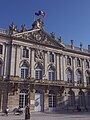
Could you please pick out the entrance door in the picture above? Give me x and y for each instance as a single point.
(39, 102)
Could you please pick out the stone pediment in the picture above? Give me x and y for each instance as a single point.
(39, 36)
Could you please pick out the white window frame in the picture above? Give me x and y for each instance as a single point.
(38, 73)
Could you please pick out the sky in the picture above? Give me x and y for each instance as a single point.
(69, 19)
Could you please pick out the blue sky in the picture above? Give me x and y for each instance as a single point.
(69, 19)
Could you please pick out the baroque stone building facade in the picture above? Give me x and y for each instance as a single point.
(37, 70)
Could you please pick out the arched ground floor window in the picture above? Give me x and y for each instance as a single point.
(71, 99)
(23, 98)
(81, 99)
(52, 99)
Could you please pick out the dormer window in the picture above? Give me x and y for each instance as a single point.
(1, 49)
(25, 52)
(51, 57)
(78, 62)
(68, 60)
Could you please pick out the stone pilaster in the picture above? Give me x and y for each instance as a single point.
(74, 74)
(83, 73)
(18, 61)
(64, 68)
(58, 67)
(61, 67)
(4, 58)
(32, 64)
(46, 102)
(46, 62)
(32, 100)
(13, 60)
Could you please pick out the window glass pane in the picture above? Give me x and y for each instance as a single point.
(78, 62)
(79, 78)
(88, 99)
(25, 53)
(24, 71)
(21, 99)
(51, 75)
(69, 76)
(1, 49)
(38, 74)
(87, 64)
(71, 99)
(26, 100)
(81, 98)
(52, 100)
(0, 68)
(68, 60)
(51, 56)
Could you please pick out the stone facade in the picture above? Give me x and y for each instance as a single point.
(39, 71)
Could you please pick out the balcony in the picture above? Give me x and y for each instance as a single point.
(17, 79)
(78, 85)
(50, 82)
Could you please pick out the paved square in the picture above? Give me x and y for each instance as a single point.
(49, 116)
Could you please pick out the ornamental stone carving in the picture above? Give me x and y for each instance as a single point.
(39, 55)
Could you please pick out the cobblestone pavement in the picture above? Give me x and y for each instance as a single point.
(49, 116)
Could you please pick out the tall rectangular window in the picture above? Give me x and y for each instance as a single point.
(1, 49)
(51, 75)
(52, 100)
(25, 53)
(23, 100)
(51, 57)
(24, 72)
(38, 74)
